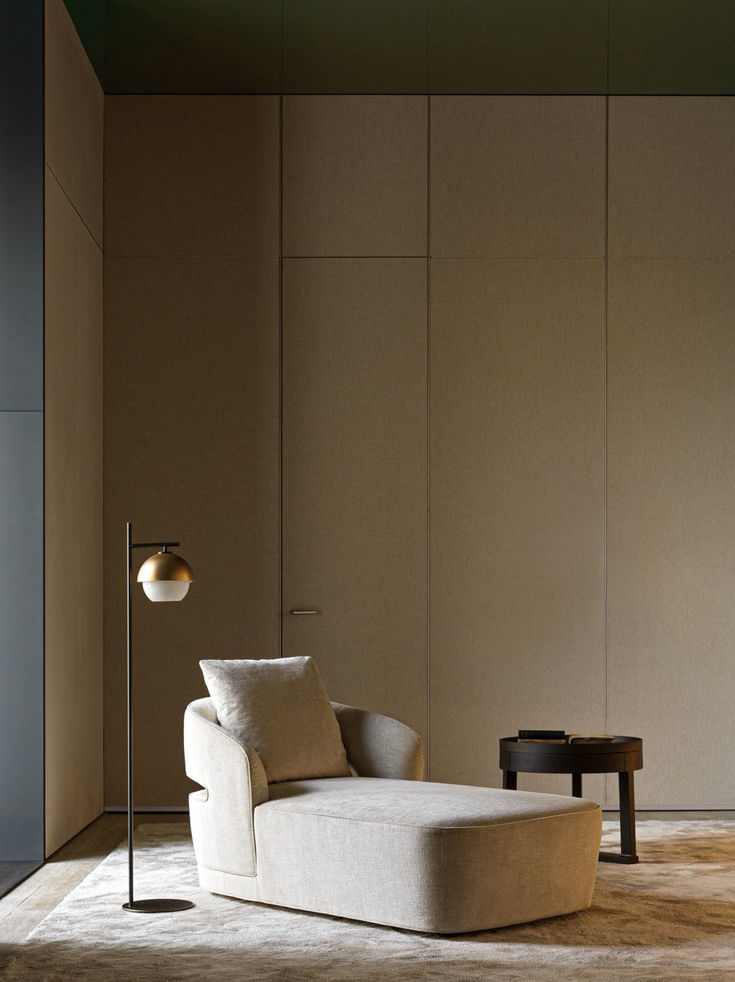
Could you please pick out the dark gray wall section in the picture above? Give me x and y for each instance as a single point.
(21, 636)
(21, 430)
(21, 205)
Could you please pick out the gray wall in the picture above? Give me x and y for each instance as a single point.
(21, 430)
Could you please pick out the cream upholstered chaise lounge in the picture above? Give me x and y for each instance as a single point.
(331, 814)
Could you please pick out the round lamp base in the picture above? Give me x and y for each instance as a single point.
(157, 906)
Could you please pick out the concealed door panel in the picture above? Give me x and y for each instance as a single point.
(671, 525)
(354, 478)
(191, 454)
(517, 509)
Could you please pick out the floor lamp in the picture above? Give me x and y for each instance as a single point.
(165, 576)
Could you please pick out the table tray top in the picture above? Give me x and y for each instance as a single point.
(618, 744)
(622, 753)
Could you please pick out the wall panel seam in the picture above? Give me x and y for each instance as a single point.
(44, 790)
(199, 257)
(428, 434)
(496, 257)
(280, 357)
(605, 434)
(606, 240)
(351, 256)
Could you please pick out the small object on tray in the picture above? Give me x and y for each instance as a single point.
(590, 738)
(561, 736)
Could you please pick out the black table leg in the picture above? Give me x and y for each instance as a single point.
(627, 816)
(627, 822)
(577, 785)
(510, 780)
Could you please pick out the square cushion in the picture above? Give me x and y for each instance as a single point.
(280, 707)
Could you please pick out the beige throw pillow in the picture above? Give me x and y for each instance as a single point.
(280, 707)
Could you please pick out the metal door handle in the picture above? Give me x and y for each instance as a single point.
(304, 611)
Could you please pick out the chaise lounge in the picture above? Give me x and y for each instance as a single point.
(331, 814)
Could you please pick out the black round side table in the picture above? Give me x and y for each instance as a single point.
(622, 755)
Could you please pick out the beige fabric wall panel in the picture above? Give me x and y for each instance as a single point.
(73, 520)
(672, 179)
(191, 175)
(73, 232)
(354, 478)
(354, 175)
(671, 544)
(517, 176)
(191, 454)
(74, 113)
(517, 509)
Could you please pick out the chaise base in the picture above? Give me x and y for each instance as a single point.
(437, 858)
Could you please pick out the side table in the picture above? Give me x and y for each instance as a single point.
(622, 755)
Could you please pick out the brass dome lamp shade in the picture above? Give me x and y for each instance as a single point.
(164, 577)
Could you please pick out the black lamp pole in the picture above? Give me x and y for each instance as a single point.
(140, 906)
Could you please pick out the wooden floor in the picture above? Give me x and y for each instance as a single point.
(25, 907)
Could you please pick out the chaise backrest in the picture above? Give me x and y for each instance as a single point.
(380, 746)
(234, 781)
(376, 745)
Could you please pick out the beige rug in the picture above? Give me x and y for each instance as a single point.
(672, 917)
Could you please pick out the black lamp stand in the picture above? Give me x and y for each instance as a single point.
(139, 906)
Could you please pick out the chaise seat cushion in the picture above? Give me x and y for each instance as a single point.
(419, 804)
(431, 857)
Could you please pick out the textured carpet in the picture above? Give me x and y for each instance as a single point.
(672, 917)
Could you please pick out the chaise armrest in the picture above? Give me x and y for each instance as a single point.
(234, 782)
(378, 746)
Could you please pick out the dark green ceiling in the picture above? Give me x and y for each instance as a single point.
(626, 47)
